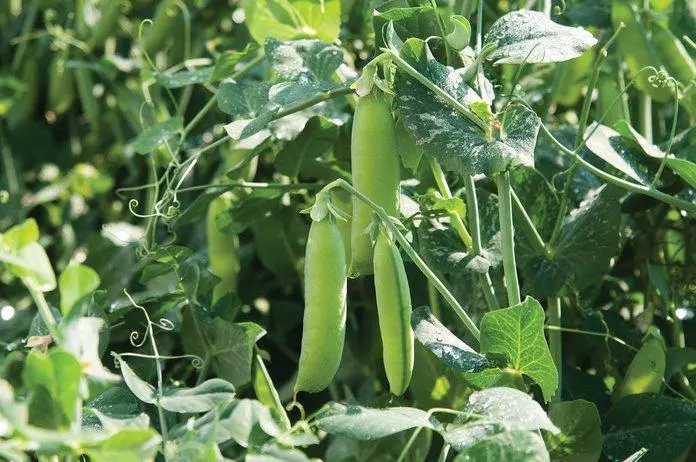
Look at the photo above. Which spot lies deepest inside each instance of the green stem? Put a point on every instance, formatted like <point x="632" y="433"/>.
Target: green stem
<point x="409" y="443"/>
<point x="29" y="20"/>
<point x="44" y="310"/>
<point x="475" y="226"/>
<point x="205" y="369"/>
<point x="527" y="226"/>
<point x="627" y="185"/>
<point x="555" y="345"/>
<point x="645" y="120"/>
<point x="434" y="280"/>
<point x="507" y="232"/>
<point x="441" y="26"/>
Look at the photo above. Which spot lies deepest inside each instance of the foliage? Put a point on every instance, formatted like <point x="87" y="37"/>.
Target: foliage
<point x="162" y="162"/>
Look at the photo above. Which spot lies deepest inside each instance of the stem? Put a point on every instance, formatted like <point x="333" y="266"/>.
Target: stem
<point x="407" y="447"/>
<point x="44" y="309"/>
<point x="507" y="232"/>
<point x="528" y="227"/>
<point x="456" y="220"/>
<point x="475" y="225"/>
<point x="160" y="387"/>
<point x="203" y="374"/>
<point x="28" y="24"/>
<point x="389" y="224"/>
<point x="627" y="185"/>
<point x="645" y="118"/>
<point x="8" y="164"/>
<point x="555" y="345"/>
<point x="441" y="26"/>
<point x="434" y="300"/>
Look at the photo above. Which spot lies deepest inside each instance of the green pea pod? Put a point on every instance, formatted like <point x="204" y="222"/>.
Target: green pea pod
<point x="222" y="251"/>
<point x="108" y="23"/>
<point x="324" y="323"/>
<point x="61" y="85"/>
<point x="574" y="76"/>
<point x="645" y="373"/>
<point x="24" y="107"/>
<point x="394" y="308"/>
<point x="636" y="48"/>
<point x="167" y="19"/>
<point x="343" y="201"/>
<point x="85" y="86"/>
<point x="375" y="168"/>
<point x="673" y="54"/>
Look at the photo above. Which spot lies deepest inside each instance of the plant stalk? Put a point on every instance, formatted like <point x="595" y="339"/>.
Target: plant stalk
<point x="507" y="232"/>
<point x="555" y="345"/>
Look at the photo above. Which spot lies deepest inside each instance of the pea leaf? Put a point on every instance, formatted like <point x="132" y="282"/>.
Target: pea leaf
<point x="502" y="409"/>
<point x="608" y="145"/>
<point x="287" y="19"/>
<point x="365" y="424"/>
<point x="517" y="333"/>
<point x="243" y="99"/>
<point x="318" y="136"/>
<point x="129" y="444"/>
<point x="226" y="63"/>
<point x="665" y="426"/>
<point x="419" y="22"/>
<point x="444" y="344"/>
<point x="201" y="398"/>
<point x="444" y="133"/>
<point x="531" y="37"/>
<point x="140" y="388"/>
<point x="581" y="434"/>
<point x="76" y="283"/>
<point x="148" y="140"/>
<point x="32" y="265"/>
<point x="517" y="446"/>
<point x="186" y="77"/>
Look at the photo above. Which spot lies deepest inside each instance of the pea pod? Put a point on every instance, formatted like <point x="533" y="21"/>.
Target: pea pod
<point x="645" y="373"/>
<point x="222" y="251"/>
<point x="608" y="90"/>
<point x="673" y="54"/>
<point x="394" y="308"/>
<point x="324" y="324"/>
<point x="61" y="85"/>
<point x="375" y="169"/>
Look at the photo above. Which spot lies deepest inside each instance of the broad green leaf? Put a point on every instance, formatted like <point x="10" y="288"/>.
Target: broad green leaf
<point x="231" y="345"/>
<point x="288" y="19"/>
<point x="608" y="145"/>
<point x="21" y="235"/>
<point x="415" y="22"/>
<point x="510" y="447"/>
<point x="531" y="37"/>
<point x="128" y="445"/>
<point x="243" y="99"/>
<point x="448" y="136"/>
<point x="365" y="424"/>
<point x="497" y="410"/>
<point x="201" y="398"/>
<point x="115" y="401"/>
<point x="226" y="63"/>
<point x="148" y="140"/>
<point x="581" y="436"/>
<point x="442" y="248"/>
<point x="665" y="426"/>
<point x="517" y="333"/>
<point x="58" y="374"/>
<point x="140" y="388"/>
<point x="185" y="78"/>
<point x="444" y="344"/>
<point x="32" y="265"/>
<point x="318" y="136"/>
<point x="76" y="283"/>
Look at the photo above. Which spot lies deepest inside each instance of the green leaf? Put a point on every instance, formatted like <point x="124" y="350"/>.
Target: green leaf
<point x="201" y="398"/>
<point x="442" y="248"/>
<point x="497" y="410"/>
<point x="581" y="436"/>
<point x="678" y="359"/>
<point x="58" y="374"/>
<point x="665" y="426"/>
<point x="148" y="140"/>
<point x="517" y="333"/>
<point x="318" y="137"/>
<point x="76" y="283"/>
<point x="608" y="145"/>
<point x="21" y="235"/>
<point x="266" y="392"/>
<point x="365" y="424"/>
<point x="32" y="265"/>
<point x="419" y="22"/>
<point x="510" y="447"/>
<point x="186" y="77"/>
<point x="128" y="445"/>
<point x="531" y="37"/>
<point x="445" y="134"/>
<point x="444" y="344"/>
<point x="226" y="63"/>
<point x="140" y="388"/>
<point x="116" y="401"/>
<point x="243" y="99"/>
<point x="287" y="19"/>
<point x="231" y="346"/>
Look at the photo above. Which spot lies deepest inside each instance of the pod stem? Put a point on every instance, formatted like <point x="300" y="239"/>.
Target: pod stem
<point x="507" y="232"/>
<point x="388" y="222"/>
<point x="555" y="342"/>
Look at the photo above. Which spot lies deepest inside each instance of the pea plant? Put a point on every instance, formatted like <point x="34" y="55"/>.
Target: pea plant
<point x="347" y="230"/>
